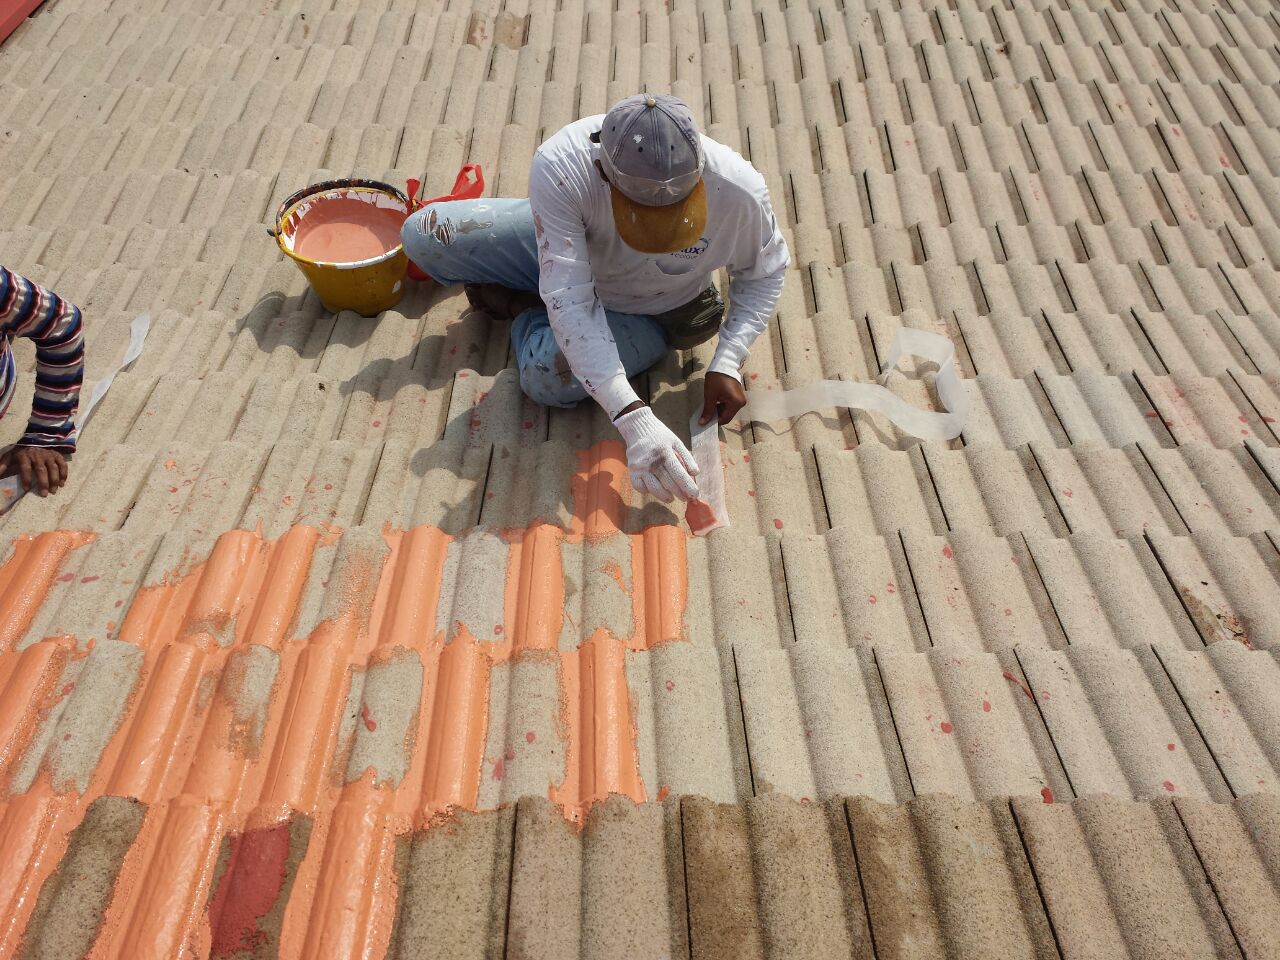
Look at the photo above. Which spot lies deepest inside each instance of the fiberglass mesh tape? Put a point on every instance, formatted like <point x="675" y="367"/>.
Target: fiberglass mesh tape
<point x="709" y="512"/>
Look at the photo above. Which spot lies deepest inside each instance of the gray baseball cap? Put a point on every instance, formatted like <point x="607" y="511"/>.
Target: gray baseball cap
<point x="651" y="150"/>
<point x="651" y="154"/>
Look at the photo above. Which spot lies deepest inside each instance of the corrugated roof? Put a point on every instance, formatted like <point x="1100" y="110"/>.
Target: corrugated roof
<point x="335" y="645"/>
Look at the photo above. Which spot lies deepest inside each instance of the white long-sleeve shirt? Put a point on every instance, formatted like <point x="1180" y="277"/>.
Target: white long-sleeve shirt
<point x="585" y="267"/>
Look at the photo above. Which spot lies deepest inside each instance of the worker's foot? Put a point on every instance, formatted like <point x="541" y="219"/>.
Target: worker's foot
<point x="501" y="303"/>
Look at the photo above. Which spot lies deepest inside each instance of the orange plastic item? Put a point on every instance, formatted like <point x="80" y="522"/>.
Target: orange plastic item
<point x="468" y="186"/>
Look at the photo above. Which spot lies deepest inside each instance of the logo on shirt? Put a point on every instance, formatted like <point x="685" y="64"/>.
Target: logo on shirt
<point x="693" y="252"/>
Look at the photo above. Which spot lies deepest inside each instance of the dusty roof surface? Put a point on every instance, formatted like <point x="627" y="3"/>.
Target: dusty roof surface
<point x="334" y="646"/>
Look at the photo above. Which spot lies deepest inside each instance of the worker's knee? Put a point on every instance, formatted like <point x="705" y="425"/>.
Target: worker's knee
<point x="543" y="384"/>
<point x="422" y="244"/>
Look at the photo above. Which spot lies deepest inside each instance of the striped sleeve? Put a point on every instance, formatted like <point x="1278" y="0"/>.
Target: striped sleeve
<point x="32" y="311"/>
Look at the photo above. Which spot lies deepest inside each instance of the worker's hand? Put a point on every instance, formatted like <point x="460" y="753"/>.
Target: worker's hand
<point x="722" y="398"/>
<point x="43" y="470"/>
<point x="660" y="464"/>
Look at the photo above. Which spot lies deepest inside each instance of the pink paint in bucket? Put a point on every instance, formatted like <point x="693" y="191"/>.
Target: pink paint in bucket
<point x="340" y="229"/>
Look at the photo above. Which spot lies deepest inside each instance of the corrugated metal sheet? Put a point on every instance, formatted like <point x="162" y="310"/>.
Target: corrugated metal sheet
<point x="337" y="646"/>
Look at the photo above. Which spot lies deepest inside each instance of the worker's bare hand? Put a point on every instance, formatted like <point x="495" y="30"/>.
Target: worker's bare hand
<point x="722" y="398"/>
<point x="42" y="469"/>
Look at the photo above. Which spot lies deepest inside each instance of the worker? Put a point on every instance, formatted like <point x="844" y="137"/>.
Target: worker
<point x="608" y="265"/>
<point x="29" y="310"/>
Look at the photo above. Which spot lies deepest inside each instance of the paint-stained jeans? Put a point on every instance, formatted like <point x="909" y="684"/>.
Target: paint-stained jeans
<point x="492" y="241"/>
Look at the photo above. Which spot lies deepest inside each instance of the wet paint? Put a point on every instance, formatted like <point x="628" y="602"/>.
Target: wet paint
<point x="347" y="230"/>
<point x="237" y="725"/>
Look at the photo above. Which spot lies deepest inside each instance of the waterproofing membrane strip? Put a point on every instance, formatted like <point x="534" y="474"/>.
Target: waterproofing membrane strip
<point x="11" y="487"/>
<point x="765" y="407"/>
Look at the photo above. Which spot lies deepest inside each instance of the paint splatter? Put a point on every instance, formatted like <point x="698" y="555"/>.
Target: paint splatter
<point x="499" y="769"/>
<point x="369" y="723"/>
<point x="871" y="598"/>
<point x="1169" y="786"/>
<point x="777" y="524"/>
<point x="946" y="551"/>
<point x="945" y="727"/>
<point x="530" y="736"/>
<point x="258" y="867"/>
<point x="1171" y="747"/>
<point x="986" y="706"/>
<point x="671" y="685"/>
<point x="1046" y="795"/>
<point x="663" y="792"/>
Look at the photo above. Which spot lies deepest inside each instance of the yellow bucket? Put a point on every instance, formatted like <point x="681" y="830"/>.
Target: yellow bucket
<point x="344" y="235"/>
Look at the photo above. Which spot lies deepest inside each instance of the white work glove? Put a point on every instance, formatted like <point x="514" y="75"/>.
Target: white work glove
<point x="660" y="464"/>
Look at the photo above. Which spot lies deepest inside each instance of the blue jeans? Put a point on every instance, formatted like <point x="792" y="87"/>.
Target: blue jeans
<point x="492" y="241"/>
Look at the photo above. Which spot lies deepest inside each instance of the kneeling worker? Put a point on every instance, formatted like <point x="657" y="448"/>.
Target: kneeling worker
<point x="608" y="266"/>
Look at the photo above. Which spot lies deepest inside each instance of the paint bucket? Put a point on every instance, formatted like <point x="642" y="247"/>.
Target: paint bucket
<point x="344" y="235"/>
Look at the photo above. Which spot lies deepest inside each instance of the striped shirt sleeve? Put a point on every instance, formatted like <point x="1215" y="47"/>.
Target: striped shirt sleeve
<point x="32" y="311"/>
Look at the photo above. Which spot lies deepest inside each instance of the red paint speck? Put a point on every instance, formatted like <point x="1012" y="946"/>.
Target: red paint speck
<point x="1268" y="419"/>
<point x="671" y="685"/>
<point x="377" y="423"/>
<point x="68" y="688"/>
<point x="119" y="604"/>
<point x="1046" y="794"/>
<point x="89" y="579"/>
<point x="497" y="629"/>
<point x="751" y="493"/>
<point x="1008" y="612"/>
<point x="746" y="458"/>
<point x="328" y="486"/>
<point x="889" y="588"/>
<point x="986" y="706"/>
<point x="530" y="736"/>
<point x="1067" y="493"/>
<point x="1168" y="786"/>
<point x="173" y="489"/>
<point x="1171" y="746"/>
<point x="945" y="727"/>
<point x="66" y="578"/>
<point x="528" y="424"/>
<point x="369" y="723"/>
<point x="509" y="755"/>
<point x="871" y="598"/>
<point x="946" y="551"/>
<point x="499" y="768"/>
<point x="663" y="792"/>
<point x="777" y="524"/>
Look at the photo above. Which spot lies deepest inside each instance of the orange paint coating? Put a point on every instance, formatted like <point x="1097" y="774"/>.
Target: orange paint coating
<point x="187" y="748"/>
<point x="601" y="490"/>
<point x="602" y="757"/>
<point x="660" y="583"/>
<point x="25" y="579"/>
<point x="535" y="590"/>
